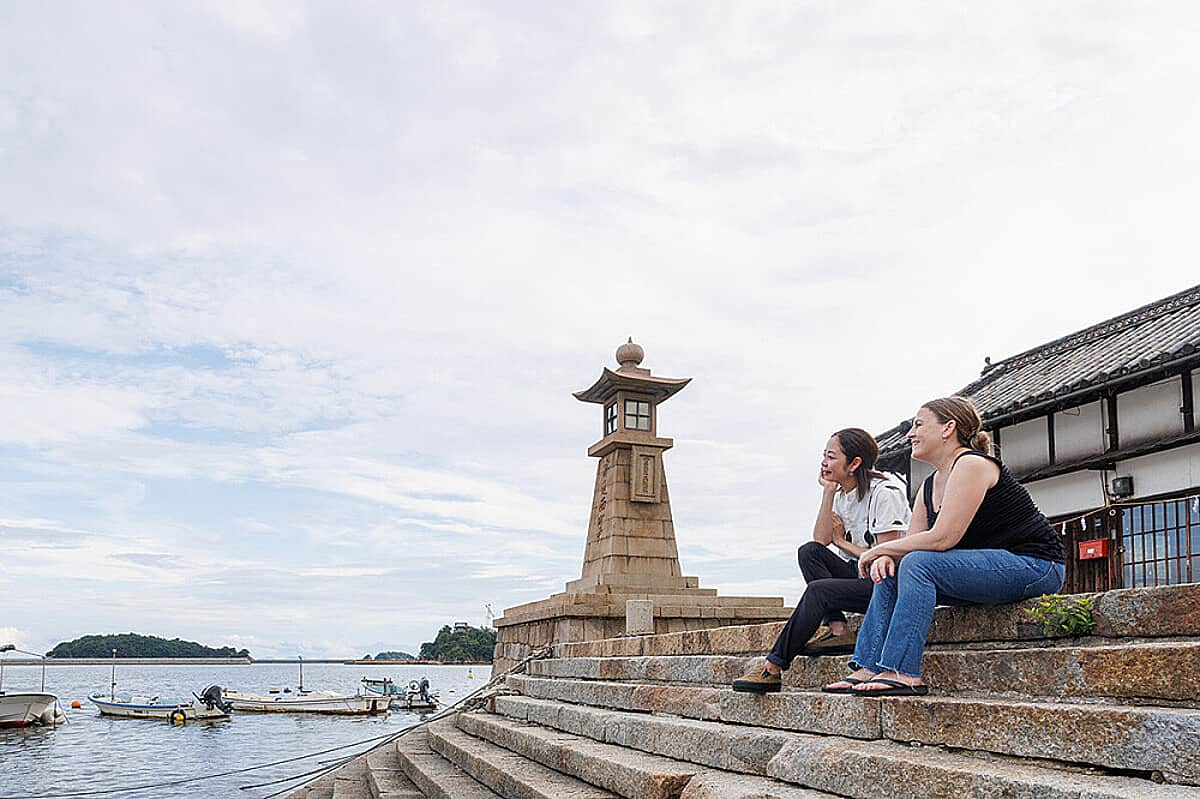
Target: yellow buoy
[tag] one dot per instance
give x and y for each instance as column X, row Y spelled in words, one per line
column 470, row 676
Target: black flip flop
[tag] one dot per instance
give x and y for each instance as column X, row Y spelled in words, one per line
column 853, row 682
column 897, row 689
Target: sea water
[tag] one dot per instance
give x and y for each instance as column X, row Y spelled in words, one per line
column 93, row 752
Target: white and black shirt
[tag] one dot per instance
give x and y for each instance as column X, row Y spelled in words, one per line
column 884, row 509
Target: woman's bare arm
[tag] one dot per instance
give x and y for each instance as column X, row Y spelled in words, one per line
column 965, row 487
column 823, row 526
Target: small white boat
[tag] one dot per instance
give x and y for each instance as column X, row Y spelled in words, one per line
column 27, row 708
column 326, row 702
column 151, row 707
column 414, row 696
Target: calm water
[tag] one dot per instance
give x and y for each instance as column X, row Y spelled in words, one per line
column 94, row 752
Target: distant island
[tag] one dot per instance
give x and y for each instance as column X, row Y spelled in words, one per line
column 461, row 644
column 391, row 656
column 132, row 645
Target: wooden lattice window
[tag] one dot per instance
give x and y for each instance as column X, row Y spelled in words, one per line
column 610, row 418
column 1161, row 542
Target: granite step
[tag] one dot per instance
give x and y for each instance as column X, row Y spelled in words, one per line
column 1164, row 612
column 1142, row 739
column 508, row 774
column 318, row 789
column 1163, row 672
column 435, row 776
column 843, row 767
column 350, row 781
column 385, row 777
column 624, row 771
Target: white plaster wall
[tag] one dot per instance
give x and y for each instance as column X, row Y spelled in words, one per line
column 919, row 470
column 1150, row 412
column 1079, row 432
column 1024, row 446
column 1068, row 493
column 1196, row 395
column 1163, row 472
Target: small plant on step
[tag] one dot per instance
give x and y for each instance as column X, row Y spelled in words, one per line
column 1063, row 615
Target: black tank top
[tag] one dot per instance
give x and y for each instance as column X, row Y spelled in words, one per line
column 1006, row 519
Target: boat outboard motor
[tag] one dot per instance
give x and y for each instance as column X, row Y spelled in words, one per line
column 211, row 697
column 425, row 689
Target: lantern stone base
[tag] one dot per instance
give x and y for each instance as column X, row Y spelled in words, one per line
column 571, row 617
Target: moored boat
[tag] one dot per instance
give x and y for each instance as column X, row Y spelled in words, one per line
column 325, row 702
column 27, row 708
column 152, row 707
column 414, row 696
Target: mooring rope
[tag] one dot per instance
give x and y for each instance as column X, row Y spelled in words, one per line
column 471, row 701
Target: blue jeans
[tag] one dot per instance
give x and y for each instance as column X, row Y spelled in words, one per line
column 892, row 636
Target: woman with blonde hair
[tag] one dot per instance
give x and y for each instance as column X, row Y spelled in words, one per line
column 976, row 537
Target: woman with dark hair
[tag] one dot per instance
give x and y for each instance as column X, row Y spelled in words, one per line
column 859, row 507
column 976, row 538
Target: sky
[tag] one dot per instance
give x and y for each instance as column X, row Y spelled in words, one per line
column 293, row 296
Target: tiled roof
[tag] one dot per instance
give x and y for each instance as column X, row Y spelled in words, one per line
column 1145, row 340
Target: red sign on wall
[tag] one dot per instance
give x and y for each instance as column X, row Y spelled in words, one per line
column 1093, row 548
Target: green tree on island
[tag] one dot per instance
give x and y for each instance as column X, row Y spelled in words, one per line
column 469, row 644
column 132, row 645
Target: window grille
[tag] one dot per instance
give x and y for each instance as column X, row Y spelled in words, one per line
column 637, row 415
column 1161, row 542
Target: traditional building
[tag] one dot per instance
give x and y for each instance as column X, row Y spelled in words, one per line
column 1100, row 426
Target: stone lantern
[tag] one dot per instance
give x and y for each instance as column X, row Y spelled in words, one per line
column 631, row 580
column 631, row 535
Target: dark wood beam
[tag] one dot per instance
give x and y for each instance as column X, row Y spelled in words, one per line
column 1188, row 408
column 1050, row 437
column 1113, row 429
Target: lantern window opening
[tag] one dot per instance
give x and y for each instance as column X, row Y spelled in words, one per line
column 637, row 415
column 610, row 418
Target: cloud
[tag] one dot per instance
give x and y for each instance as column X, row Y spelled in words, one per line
column 294, row 300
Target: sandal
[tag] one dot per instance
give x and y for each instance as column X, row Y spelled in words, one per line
column 895, row 688
column 849, row 689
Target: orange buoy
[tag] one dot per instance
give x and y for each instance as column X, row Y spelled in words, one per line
column 76, row 704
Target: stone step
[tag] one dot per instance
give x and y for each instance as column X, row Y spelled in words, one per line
column 1164, row 672
column 509, row 774
column 1143, row 739
column 624, row 771
column 435, row 776
column 1163, row 612
column 840, row 766
column 720, row 785
column 386, row 779
column 870, row 769
column 350, row 781
column 317, row 789
column 691, row 702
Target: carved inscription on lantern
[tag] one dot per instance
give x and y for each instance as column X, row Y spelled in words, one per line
column 643, row 475
column 602, row 496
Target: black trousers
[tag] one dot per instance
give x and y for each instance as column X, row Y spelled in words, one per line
column 833, row 586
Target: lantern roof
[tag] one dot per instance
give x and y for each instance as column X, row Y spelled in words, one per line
column 630, row 377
